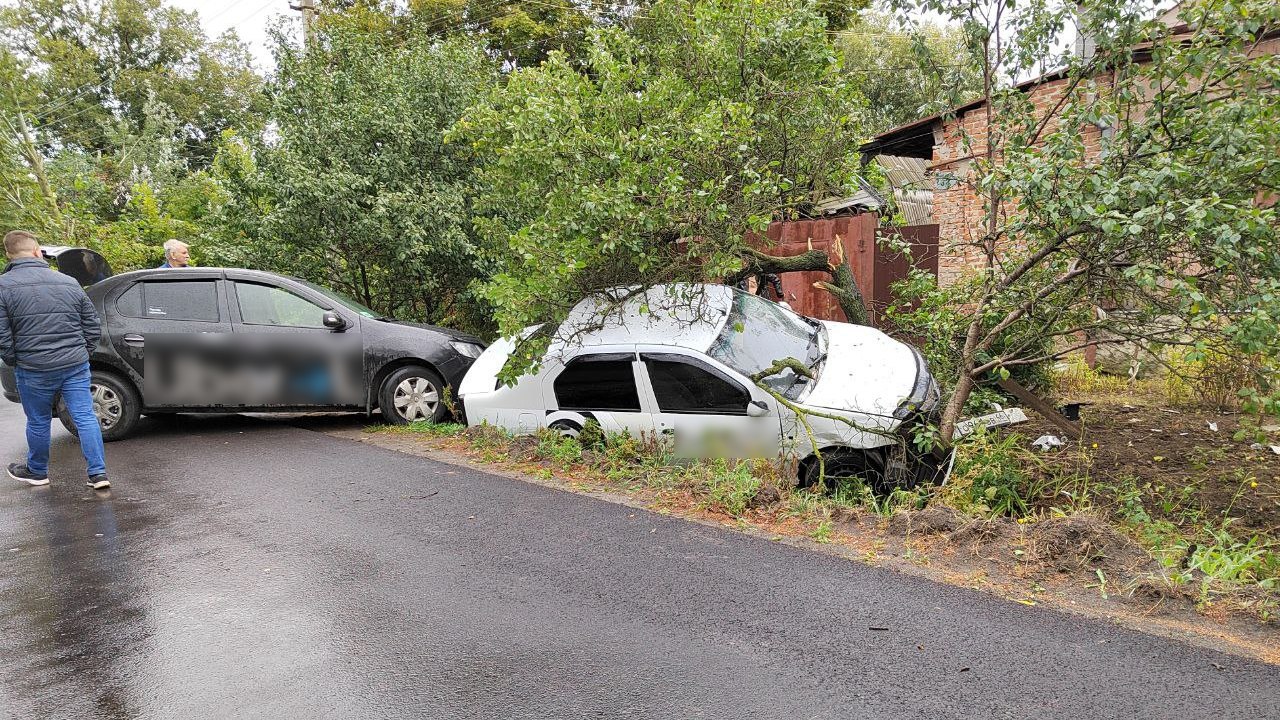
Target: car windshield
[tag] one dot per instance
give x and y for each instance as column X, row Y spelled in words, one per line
column 758, row 332
column 341, row 299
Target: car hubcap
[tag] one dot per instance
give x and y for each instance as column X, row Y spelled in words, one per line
column 106, row 405
column 416, row 399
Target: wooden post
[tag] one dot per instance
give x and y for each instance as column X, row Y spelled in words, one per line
column 1037, row 403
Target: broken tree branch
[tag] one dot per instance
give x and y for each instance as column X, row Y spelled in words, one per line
column 842, row 285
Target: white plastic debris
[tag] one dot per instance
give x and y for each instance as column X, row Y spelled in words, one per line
column 1275, row 449
column 1257, row 446
column 1213, row 426
column 1046, row 442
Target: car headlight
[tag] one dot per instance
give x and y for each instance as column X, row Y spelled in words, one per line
column 924, row 393
column 467, row 349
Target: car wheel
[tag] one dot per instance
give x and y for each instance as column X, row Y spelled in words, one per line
column 412, row 394
column 115, row 403
column 566, row 428
column 847, row 464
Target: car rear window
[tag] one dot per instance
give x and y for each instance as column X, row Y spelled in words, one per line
column 599, row 382
column 180, row 300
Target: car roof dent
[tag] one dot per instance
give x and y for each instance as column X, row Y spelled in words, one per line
column 681, row 315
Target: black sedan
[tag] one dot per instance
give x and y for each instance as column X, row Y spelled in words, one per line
column 195, row 340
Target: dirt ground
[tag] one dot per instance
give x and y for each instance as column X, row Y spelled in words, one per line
column 1185, row 469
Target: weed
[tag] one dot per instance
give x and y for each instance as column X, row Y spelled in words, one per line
column 1211, row 377
column 727, row 486
column 561, row 450
column 824, row 532
column 1101, row 584
column 592, row 435
column 855, row 494
column 1074, row 377
column 424, row 427
column 994, row 475
column 487, row 437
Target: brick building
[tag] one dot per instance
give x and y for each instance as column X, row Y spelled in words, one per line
column 938, row 142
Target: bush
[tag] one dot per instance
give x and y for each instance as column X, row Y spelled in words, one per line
column 1213, row 377
column 994, row 475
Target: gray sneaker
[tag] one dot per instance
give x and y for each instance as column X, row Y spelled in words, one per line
column 19, row 471
column 98, row 482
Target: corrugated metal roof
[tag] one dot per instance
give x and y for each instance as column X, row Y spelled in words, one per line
column 865, row 199
column 912, row 191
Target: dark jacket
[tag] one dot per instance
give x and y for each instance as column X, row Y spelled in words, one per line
column 46, row 320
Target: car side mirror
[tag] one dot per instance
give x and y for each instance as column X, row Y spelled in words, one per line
column 334, row 321
column 757, row 408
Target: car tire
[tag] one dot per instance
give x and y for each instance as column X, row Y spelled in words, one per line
column 566, row 428
column 115, row 402
column 847, row 463
column 412, row 394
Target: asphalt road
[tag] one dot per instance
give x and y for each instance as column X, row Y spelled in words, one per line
column 249, row 568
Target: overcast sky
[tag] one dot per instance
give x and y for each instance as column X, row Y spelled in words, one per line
column 249, row 18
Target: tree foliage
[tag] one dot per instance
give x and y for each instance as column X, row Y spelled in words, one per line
column 1137, row 210
column 96, row 66
column 110, row 112
column 909, row 72
column 653, row 162
column 355, row 188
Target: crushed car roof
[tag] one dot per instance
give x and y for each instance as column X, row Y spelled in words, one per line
column 682, row 315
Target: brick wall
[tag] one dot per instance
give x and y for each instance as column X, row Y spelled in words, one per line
column 957, row 207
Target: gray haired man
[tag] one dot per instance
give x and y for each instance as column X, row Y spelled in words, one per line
column 176, row 254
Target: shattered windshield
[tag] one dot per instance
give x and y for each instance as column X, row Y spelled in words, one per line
column 758, row 332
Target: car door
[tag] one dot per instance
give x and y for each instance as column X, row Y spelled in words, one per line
column 157, row 328
column 289, row 355
column 601, row 386
column 704, row 410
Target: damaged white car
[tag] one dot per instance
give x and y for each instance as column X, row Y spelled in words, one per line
column 676, row 362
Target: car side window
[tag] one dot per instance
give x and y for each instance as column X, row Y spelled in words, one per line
column 129, row 303
column 682, row 385
column 270, row 305
column 598, row 382
column 179, row 300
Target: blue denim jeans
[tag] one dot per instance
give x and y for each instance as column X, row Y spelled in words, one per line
column 38, row 389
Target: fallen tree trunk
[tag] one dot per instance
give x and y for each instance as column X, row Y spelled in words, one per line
column 841, row 285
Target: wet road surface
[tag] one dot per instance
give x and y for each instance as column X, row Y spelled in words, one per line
column 249, row 568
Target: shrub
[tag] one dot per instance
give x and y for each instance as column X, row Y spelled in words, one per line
column 1212, row 377
column 994, row 475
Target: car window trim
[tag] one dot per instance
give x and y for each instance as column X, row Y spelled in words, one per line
column 645, row 357
column 627, row 357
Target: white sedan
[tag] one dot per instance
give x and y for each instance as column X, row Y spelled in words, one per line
column 675, row 362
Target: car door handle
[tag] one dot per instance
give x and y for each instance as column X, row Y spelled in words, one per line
column 133, row 340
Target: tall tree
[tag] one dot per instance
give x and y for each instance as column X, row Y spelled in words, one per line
column 95, row 66
column 1131, row 209
column 656, row 160
column 909, row 72
column 355, row 187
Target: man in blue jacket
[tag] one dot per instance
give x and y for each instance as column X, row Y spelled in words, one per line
column 48, row 327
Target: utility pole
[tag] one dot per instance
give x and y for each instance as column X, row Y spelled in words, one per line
column 309, row 12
